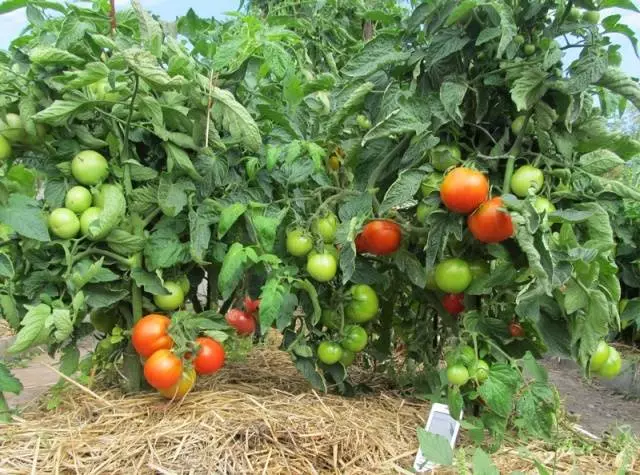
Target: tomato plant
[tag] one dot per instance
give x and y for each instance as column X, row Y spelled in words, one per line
column 464, row 189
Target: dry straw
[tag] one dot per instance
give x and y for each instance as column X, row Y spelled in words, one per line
column 256, row 416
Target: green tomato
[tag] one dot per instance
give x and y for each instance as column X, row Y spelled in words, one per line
column 64, row 223
column 519, row 40
column 5, row 148
column 185, row 285
column 545, row 43
column 363, row 122
column 600, row 356
column 574, row 15
column 347, row 357
column 355, row 338
column 431, row 184
column 453, row 276
column 299, row 243
column 526, row 177
column 543, row 205
column 479, row 371
column 89, row 167
column 87, row 217
column 78, row 199
column 326, row 227
column 529, row 49
column 591, row 17
column 611, row 368
column 478, row 268
column 467, row 355
column 12, row 128
column 363, row 305
column 329, row 352
column 457, row 375
column 322, row 266
column 518, row 123
column 172, row 300
column 444, row 157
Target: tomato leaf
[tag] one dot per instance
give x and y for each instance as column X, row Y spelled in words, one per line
column 410, row 265
column 70, row 360
column 451, row 95
column 529, row 88
column 228, row 216
column 150, row 29
column 235, row 119
column 481, row 463
column 233, row 267
column 499, row 389
column 33, row 331
column 8, row 382
column 47, row 55
column 435, row 447
column 400, row 194
column 307, row 367
column 149, row 281
column 6, row 266
column 25, row 216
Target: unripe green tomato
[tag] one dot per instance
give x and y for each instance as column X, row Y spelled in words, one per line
column 363, row 122
column 329, row 352
column 64, row 223
column 453, row 276
column 299, row 243
column 517, row 124
column 574, row 15
column 322, row 266
column 544, row 43
column 326, row 227
column 445, row 156
column 543, row 205
column 467, row 355
column 526, row 177
column 457, row 375
column 87, row 217
column 12, row 128
column 529, row 49
column 364, row 304
column 347, row 357
column 599, row 357
column 355, row 338
column 479, row 370
column 173, row 300
column 78, row 199
column 89, row 167
column 5, row 148
column 591, row 16
column 611, row 368
column 519, row 40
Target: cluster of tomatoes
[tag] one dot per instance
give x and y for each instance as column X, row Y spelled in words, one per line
column 465, row 365
column 244, row 321
column 362, row 307
column 173, row 375
column 606, row 361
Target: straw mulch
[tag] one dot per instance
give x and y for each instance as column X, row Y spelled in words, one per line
column 256, row 416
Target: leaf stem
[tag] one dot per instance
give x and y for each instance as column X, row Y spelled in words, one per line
column 125, row 152
column 101, row 252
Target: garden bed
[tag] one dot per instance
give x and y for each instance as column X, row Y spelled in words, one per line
column 255, row 416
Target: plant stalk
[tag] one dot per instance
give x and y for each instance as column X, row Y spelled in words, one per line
column 508, row 172
column 5, row 412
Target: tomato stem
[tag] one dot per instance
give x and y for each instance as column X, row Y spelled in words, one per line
column 111, row 255
column 508, row 172
column 125, row 152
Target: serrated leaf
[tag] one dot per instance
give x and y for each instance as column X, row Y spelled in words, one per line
column 481, row 464
column 24, row 216
column 144, row 64
column 47, row 55
column 125, row 243
column 435, row 447
column 313, row 297
column 228, row 216
column 528, row 89
column 376, row 54
column 451, row 95
column 172, row 196
column 150, row 30
column 618, row 82
column 409, row 264
column 60, row 320
column 235, row 119
column 348, row 103
column 271, row 302
column 8, row 382
column 199, row 233
column 499, row 389
column 402, row 190
column 233, row 268
column 59, row 112
column 6, row 266
column 149, row 281
column 70, row 360
column 33, row 331
column 308, row 369
column 591, row 327
column 179, row 160
column 585, row 72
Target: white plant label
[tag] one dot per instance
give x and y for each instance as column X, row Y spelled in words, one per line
column 441, row 423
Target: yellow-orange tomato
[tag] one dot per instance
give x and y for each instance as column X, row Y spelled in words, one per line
column 182, row 387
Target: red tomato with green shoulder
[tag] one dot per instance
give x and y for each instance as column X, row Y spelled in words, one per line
column 244, row 323
column 490, row 223
column 163, row 369
column 382, row 237
column 150, row 334
column 453, row 303
column 464, row 189
column 209, row 357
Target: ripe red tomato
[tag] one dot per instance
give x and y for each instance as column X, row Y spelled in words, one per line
column 516, row 330
column 250, row 305
column 489, row 223
column 210, row 356
column 150, row 335
column 453, row 303
column 243, row 322
column 381, row 237
column 182, row 387
column 361, row 244
column 464, row 189
column 163, row 369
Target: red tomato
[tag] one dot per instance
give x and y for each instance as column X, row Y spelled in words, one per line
column 361, row 244
column 381, row 237
column 182, row 387
column 516, row 330
column 453, row 303
column 163, row 369
column 150, row 335
column 251, row 306
column 210, row 356
column 243, row 322
column 464, row 189
column 489, row 223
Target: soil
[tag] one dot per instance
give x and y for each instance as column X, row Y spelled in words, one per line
column 596, row 408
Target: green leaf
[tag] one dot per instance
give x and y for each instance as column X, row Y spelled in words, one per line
column 179, row 160
column 499, row 389
column 59, row 112
column 455, row 401
column 235, row 119
column 6, row 266
column 92, row 72
column 409, row 264
column 585, row 72
column 625, row 4
column 33, row 331
column 307, row 367
column 435, row 448
column 72, row 32
column 125, row 243
column 451, row 95
column 444, row 43
column 199, row 233
column 172, row 196
column 233, row 268
column 9, row 311
column 10, row 5
column 146, row 66
column 618, row 82
column 60, row 321
column 266, row 227
column 150, row 30
column 507, row 25
column 149, row 281
column 313, row 296
column 25, row 217
column 228, row 216
column 163, row 249
column 8, row 382
column 591, row 327
column 534, row 369
column 347, row 103
column 70, row 360
column 85, row 272
column 575, row 298
column 461, row 11
column 402, row 191
column 47, row 55
column 104, row 295
column 481, row 464
column 600, row 162
column 271, row 302
column 529, row 88
column 410, row 115
column 376, row 54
